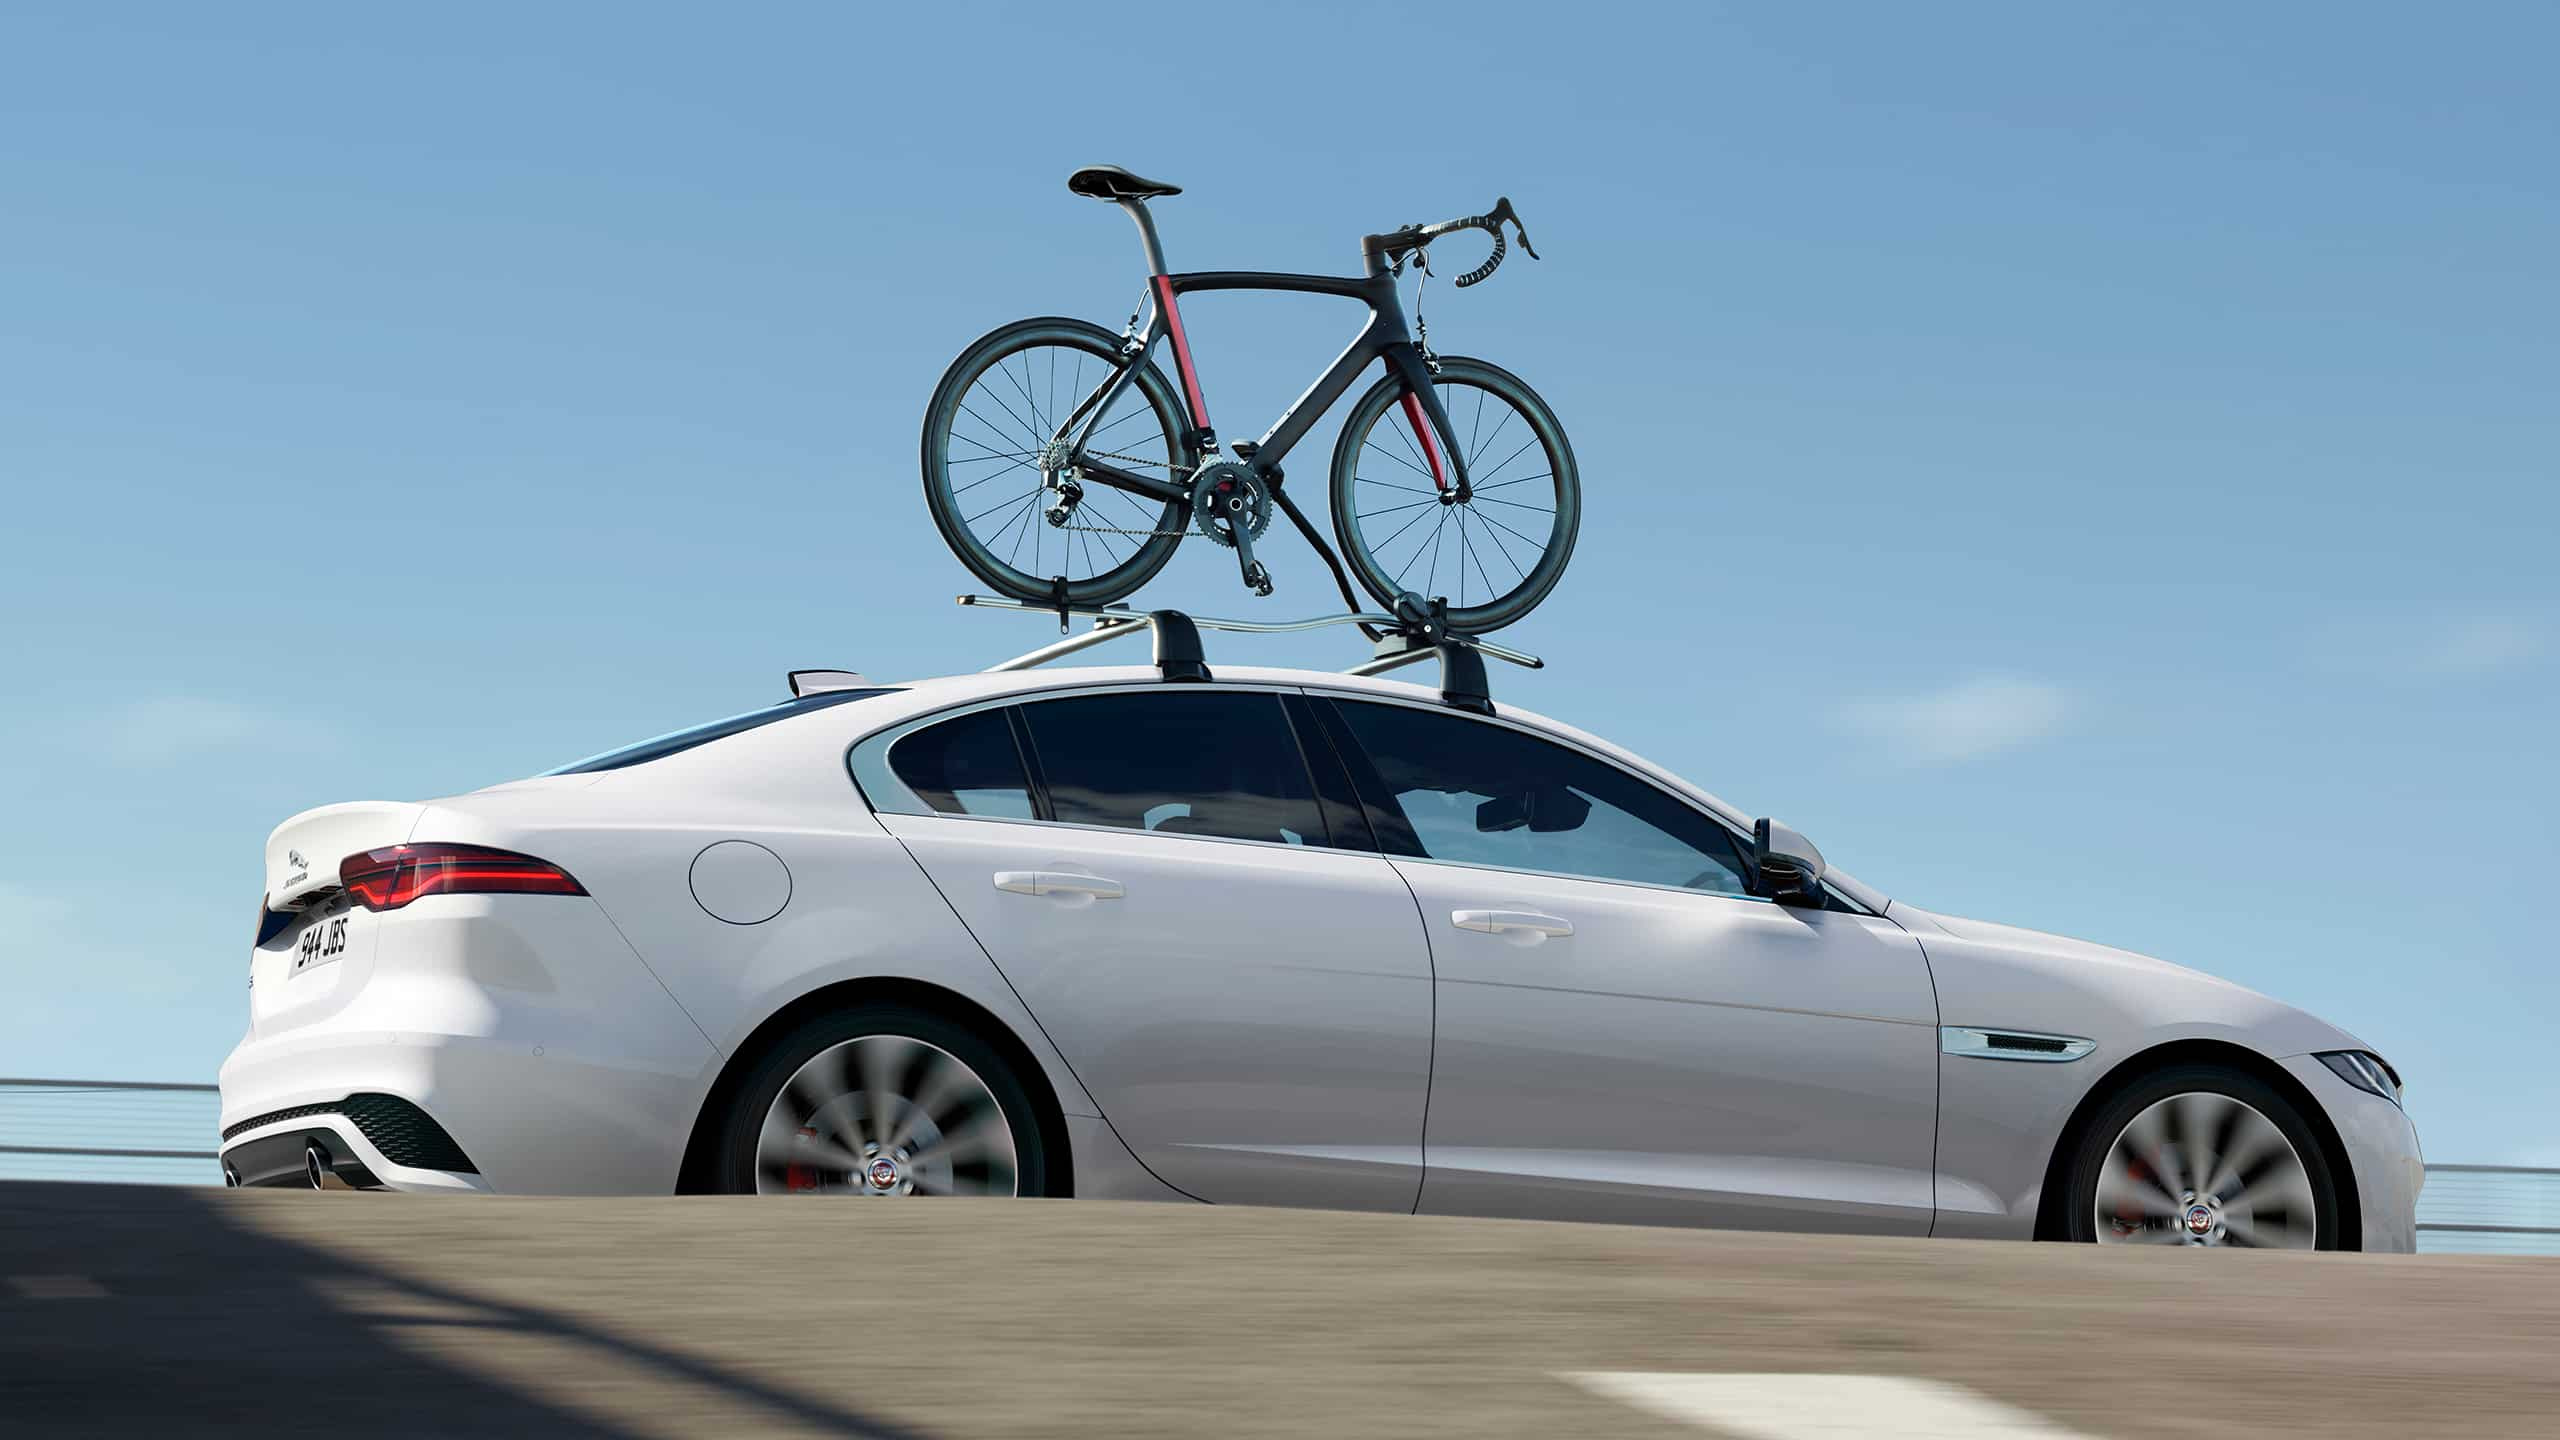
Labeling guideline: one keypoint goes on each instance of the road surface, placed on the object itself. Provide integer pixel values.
(129, 1311)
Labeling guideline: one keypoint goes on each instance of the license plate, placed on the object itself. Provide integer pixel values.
(324, 936)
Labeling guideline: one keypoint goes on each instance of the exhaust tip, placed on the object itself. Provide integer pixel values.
(230, 1178)
(315, 1165)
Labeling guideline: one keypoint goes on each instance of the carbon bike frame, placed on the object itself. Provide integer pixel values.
(1384, 337)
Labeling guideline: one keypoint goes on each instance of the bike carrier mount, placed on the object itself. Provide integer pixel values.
(1420, 632)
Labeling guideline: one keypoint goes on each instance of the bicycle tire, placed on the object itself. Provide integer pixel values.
(1162, 531)
(1565, 523)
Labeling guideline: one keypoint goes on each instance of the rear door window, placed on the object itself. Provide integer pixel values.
(1180, 760)
(964, 766)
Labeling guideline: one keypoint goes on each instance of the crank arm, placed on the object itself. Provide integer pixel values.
(1256, 578)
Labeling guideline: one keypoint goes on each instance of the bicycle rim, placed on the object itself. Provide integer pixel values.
(1496, 555)
(996, 408)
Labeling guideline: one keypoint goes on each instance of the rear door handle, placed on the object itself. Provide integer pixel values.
(1500, 922)
(1058, 882)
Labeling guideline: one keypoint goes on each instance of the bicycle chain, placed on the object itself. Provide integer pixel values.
(1184, 533)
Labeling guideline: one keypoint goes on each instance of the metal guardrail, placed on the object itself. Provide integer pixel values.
(133, 1131)
(162, 1133)
(2490, 1210)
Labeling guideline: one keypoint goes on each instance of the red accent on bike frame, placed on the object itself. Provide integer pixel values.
(1181, 351)
(1422, 432)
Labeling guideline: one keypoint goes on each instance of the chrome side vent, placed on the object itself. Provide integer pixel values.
(2030, 1045)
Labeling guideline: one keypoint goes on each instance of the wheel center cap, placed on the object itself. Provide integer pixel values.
(884, 1174)
(2199, 1219)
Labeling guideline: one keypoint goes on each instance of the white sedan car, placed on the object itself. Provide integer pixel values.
(1271, 937)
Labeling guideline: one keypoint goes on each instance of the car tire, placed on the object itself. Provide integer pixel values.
(890, 1101)
(2203, 1155)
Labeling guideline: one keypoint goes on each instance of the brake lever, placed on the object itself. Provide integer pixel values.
(1502, 211)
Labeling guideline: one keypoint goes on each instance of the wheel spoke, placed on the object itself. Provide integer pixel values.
(1378, 551)
(1490, 520)
(1495, 535)
(2146, 1140)
(980, 1136)
(2254, 1141)
(884, 1062)
(1507, 459)
(2120, 1191)
(1415, 465)
(992, 427)
(1391, 485)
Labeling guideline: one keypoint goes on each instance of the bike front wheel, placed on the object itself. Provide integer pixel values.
(1496, 554)
(994, 415)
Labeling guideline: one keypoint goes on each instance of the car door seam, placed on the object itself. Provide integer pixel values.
(1431, 1052)
(1937, 1072)
(1034, 1017)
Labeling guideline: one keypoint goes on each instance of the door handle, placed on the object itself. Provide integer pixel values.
(1515, 922)
(1058, 882)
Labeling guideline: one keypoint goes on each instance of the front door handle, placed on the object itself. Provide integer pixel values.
(1058, 882)
(1511, 922)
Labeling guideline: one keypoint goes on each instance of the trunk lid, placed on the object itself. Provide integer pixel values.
(304, 852)
(314, 949)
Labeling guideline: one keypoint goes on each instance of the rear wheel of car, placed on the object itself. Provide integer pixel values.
(882, 1102)
(2203, 1155)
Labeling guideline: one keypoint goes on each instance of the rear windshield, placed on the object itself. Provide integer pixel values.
(680, 741)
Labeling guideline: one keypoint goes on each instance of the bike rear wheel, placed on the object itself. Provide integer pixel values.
(984, 433)
(1494, 556)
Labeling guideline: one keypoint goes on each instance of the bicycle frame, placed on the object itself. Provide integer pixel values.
(1385, 337)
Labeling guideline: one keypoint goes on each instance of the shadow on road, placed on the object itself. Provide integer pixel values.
(131, 1310)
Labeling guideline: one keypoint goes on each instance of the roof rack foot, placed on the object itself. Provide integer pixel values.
(1178, 652)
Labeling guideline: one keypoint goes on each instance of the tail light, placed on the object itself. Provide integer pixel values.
(390, 878)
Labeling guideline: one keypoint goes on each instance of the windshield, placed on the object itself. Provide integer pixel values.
(678, 741)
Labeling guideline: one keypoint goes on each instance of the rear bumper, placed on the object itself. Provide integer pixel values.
(2382, 1150)
(351, 1143)
(520, 1029)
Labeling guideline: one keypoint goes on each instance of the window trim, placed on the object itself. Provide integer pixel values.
(1380, 823)
(877, 745)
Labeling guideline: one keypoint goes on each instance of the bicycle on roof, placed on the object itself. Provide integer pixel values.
(1063, 467)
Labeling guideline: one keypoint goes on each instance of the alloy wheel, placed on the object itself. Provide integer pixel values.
(2203, 1168)
(885, 1116)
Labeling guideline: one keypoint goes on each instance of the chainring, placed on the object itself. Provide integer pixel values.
(1225, 494)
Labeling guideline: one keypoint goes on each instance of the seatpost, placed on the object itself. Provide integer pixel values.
(1146, 234)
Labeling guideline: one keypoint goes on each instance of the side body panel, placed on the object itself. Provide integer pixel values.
(1678, 1058)
(1254, 1018)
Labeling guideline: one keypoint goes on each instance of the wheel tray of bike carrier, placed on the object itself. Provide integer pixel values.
(1178, 656)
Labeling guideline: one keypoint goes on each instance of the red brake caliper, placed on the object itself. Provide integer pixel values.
(801, 1175)
(1422, 432)
(2129, 1211)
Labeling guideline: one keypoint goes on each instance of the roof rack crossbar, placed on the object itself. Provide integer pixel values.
(1178, 654)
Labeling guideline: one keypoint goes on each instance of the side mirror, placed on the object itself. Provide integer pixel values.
(1789, 868)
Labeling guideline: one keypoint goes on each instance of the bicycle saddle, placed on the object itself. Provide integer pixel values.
(1110, 182)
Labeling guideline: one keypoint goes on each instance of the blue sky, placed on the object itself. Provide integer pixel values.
(2086, 466)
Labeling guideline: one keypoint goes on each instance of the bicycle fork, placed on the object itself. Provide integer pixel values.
(1422, 411)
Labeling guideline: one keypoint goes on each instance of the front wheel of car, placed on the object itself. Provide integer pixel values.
(2203, 1155)
(882, 1102)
